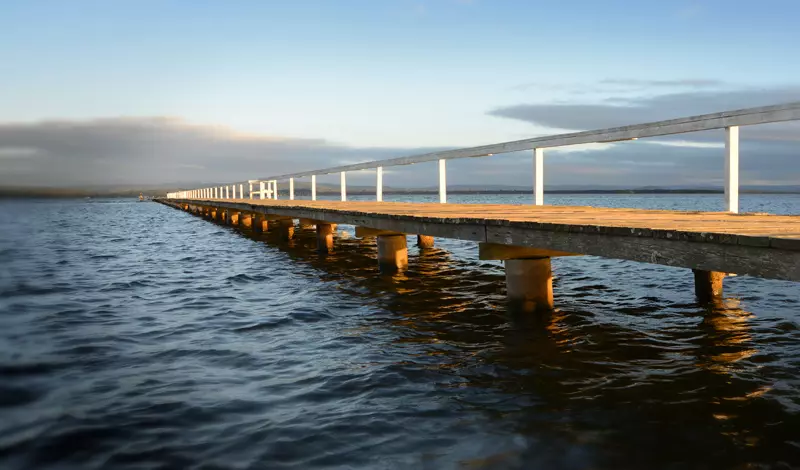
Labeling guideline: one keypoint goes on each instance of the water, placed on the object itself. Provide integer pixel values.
(133, 335)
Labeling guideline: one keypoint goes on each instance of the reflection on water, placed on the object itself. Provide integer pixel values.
(197, 344)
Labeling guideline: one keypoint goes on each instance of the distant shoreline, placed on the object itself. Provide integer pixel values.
(73, 194)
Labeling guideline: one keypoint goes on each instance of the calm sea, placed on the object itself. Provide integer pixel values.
(133, 335)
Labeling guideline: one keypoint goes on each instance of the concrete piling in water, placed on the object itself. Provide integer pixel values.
(260, 224)
(392, 252)
(246, 220)
(285, 229)
(529, 285)
(707, 285)
(529, 278)
(325, 237)
(424, 241)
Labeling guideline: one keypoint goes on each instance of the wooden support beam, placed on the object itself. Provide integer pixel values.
(367, 232)
(495, 251)
(277, 217)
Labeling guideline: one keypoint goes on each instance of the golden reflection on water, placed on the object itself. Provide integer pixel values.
(727, 331)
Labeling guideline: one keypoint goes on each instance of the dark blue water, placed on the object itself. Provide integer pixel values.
(133, 335)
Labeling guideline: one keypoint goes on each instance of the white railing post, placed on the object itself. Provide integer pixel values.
(251, 189)
(313, 187)
(227, 192)
(262, 189)
(234, 191)
(216, 190)
(732, 168)
(343, 186)
(538, 176)
(275, 188)
(442, 181)
(379, 184)
(291, 189)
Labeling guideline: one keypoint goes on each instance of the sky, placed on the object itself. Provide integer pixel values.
(185, 92)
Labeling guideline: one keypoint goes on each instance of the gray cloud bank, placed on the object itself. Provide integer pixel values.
(156, 150)
(625, 110)
(169, 151)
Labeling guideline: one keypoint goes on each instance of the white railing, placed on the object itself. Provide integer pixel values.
(729, 120)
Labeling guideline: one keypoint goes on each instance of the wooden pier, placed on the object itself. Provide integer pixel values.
(712, 244)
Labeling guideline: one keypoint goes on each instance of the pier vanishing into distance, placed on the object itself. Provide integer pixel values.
(526, 237)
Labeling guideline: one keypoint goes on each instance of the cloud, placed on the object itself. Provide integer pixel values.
(159, 150)
(612, 85)
(618, 110)
(688, 82)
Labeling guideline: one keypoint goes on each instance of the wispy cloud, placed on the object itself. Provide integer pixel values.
(616, 85)
(686, 82)
(621, 110)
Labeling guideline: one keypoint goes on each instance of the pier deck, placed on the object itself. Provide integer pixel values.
(754, 244)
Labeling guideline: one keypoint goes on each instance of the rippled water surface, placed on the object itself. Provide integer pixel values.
(133, 335)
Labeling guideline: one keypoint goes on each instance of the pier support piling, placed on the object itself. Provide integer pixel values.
(424, 241)
(392, 252)
(260, 224)
(325, 237)
(286, 229)
(246, 220)
(707, 285)
(529, 284)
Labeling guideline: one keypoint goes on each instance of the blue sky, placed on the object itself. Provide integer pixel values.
(371, 79)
